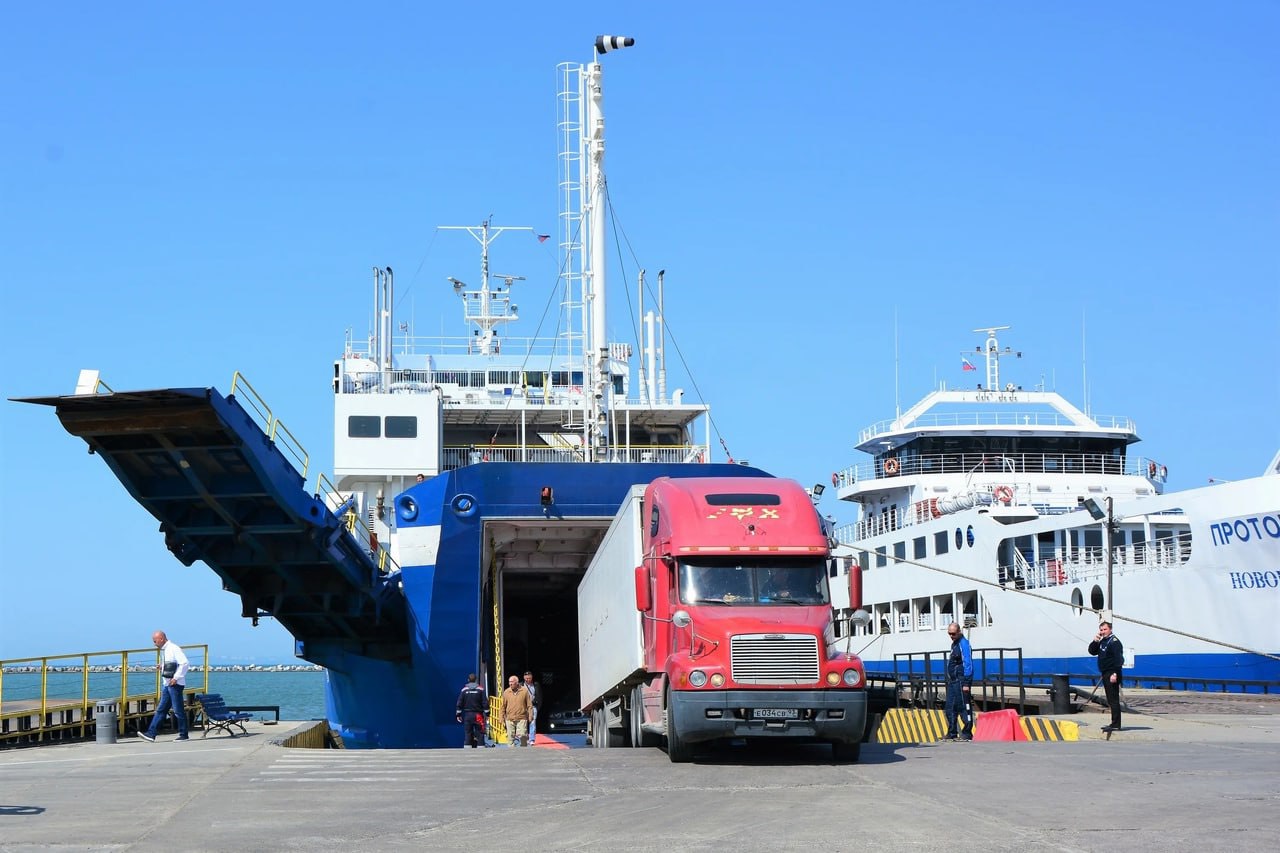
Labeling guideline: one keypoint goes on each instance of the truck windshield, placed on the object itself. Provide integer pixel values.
(733, 581)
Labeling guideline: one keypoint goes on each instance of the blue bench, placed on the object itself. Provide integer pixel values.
(218, 716)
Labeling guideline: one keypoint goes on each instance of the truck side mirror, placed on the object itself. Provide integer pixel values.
(855, 586)
(644, 601)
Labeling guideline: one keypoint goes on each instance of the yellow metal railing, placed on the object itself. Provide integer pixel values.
(497, 731)
(328, 492)
(68, 698)
(271, 425)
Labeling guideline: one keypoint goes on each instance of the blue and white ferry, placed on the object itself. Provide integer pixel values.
(474, 476)
(1026, 519)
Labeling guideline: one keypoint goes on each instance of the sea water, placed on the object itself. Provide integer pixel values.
(299, 693)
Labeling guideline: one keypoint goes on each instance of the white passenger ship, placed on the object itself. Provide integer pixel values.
(1027, 520)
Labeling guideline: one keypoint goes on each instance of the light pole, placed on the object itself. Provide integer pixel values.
(1106, 516)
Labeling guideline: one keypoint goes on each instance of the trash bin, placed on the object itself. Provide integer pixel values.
(1060, 693)
(104, 715)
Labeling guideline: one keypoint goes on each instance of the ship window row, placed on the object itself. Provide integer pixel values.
(373, 426)
(924, 613)
(942, 539)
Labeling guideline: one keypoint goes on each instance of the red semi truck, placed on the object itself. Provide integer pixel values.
(705, 614)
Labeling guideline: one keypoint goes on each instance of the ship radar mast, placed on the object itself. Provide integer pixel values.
(991, 352)
(487, 307)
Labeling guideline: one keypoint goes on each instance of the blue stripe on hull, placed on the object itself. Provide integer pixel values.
(403, 707)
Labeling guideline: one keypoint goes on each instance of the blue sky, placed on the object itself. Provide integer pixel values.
(186, 192)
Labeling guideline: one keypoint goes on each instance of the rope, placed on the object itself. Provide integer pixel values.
(1116, 616)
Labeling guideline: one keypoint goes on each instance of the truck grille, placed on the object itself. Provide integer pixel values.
(774, 659)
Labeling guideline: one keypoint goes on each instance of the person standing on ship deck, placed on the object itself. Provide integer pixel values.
(173, 678)
(959, 682)
(516, 710)
(1110, 652)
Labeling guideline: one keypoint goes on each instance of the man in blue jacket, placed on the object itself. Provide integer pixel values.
(959, 680)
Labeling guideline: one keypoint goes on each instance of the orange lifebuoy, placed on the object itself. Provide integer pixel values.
(891, 466)
(1004, 494)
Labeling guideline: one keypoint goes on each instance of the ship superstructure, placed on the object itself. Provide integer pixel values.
(1026, 519)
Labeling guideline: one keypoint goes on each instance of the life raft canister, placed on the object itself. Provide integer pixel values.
(891, 466)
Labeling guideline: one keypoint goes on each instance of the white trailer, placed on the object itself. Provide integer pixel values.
(610, 632)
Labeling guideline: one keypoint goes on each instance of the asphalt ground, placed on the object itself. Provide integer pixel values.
(1170, 781)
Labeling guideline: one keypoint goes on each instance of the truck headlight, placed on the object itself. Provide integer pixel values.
(852, 677)
(717, 680)
(833, 678)
(698, 678)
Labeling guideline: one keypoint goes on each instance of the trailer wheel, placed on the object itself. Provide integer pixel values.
(849, 752)
(677, 750)
(600, 738)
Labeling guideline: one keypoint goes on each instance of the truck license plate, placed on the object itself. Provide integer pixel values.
(776, 714)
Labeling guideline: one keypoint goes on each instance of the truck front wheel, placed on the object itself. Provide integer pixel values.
(846, 751)
(677, 750)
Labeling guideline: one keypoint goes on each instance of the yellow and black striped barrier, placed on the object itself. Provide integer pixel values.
(921, 725)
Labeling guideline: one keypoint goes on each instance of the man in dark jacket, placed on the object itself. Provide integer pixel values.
(959, 682)
(472, 703)
(1110, 652)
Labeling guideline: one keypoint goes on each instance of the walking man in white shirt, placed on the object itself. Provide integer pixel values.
(173, 680)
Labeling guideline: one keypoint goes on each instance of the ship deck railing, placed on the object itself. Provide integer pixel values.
(457, 457)
(1071, 566)
(987, 418)
(54, 697)
(919, 680)
(1006, 464)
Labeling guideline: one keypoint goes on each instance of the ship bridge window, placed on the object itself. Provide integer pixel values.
(534, 380)
(364, 426)
(504, 377)
(917, 548)
(402, 426)
(940, 543)
(881, 560)
(899, 551)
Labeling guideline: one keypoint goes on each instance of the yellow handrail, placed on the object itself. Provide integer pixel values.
(333, 498)
(87, 663)
(270, 424)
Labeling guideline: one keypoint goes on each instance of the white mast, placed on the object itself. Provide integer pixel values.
(592, 198)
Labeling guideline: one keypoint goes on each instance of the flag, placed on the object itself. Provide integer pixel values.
(965, 365)
(542, 238)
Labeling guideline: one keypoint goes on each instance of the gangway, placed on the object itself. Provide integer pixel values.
(226, 491)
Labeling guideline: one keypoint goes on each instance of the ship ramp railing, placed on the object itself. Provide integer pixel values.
(227, 482)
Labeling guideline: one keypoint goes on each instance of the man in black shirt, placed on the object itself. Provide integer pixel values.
(1110, 652)
(472, 704)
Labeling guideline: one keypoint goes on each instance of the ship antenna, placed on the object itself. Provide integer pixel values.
(992, 353)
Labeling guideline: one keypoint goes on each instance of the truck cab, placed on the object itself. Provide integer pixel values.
(737, 620)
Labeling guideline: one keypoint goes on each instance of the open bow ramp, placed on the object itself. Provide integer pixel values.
(224, 492)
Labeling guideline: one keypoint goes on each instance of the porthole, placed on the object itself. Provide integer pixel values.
(1096, 599)
(959, 538)
(1077, 600)
(969, 535)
